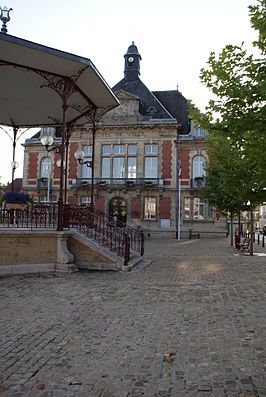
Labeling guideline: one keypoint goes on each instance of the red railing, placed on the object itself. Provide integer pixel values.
(42, 216)
(117, 238)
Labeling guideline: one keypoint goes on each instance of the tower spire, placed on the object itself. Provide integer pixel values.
(132, 63)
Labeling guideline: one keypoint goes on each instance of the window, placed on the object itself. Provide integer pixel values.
(198, 167)
(106, 150)
(86, 171)
(187, 208)
(46, 167)
(119, 149)
(48, 131)
(106, 167)
(151, 149)
(198, 131)
(87, 150)
(150, 208)
(132, 167)
(85, 200)
(198, 209)
(132, 149)
(151, 167)
(119, 161)
(43, 199)
(118, 167)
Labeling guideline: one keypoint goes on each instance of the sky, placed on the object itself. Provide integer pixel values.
(174, 38)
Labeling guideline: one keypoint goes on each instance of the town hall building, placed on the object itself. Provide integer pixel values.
(148, 162)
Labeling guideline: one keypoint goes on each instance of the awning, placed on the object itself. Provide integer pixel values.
(27, 70)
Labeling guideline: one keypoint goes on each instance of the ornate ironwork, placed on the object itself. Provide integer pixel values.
(62, 85)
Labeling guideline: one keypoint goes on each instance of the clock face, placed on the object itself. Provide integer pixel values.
(130, 59)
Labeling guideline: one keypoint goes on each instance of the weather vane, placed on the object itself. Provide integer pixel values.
(5, 18)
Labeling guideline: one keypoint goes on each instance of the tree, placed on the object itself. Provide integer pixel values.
(236, 118)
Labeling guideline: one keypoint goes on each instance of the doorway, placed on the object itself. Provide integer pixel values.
(118, 208)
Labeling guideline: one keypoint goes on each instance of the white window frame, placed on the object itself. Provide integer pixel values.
(131, 174)
(151, 149)
(198, 166)
(47, 171)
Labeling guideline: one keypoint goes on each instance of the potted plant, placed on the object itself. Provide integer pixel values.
(18, 200)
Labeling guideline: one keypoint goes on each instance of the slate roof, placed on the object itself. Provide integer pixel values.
(177, 105)
(150, 106)
(37, 135)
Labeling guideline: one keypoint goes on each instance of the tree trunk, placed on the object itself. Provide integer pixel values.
(251, 230)
(232, 231)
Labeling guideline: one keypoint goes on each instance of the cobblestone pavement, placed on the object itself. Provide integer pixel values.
(189, 324)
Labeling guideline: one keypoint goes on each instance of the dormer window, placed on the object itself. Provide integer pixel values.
(48, 131)
(151, 111)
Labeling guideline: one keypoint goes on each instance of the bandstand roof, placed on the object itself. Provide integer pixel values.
(28, 71)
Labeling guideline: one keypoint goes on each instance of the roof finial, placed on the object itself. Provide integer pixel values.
(133, 43)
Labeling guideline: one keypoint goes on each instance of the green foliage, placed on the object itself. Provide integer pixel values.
(236, 121)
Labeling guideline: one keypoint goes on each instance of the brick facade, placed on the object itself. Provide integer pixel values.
(167, 159)
(184, 158)
(33, 165)
(56, 169)
(73, 165)
(135, 208)
(165, 208)
(100, 204)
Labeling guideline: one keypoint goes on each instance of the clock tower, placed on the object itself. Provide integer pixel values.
(132, 63)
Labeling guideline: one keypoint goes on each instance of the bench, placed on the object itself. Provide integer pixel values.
(193, 234)
(245, 245)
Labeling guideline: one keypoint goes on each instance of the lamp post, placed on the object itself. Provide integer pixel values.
(47, 140)
(79, 155)
(5, 18)
(14, 166)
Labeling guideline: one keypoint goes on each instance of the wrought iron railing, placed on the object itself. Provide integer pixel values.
(120, 182)
(117, 237)
(41, 216)
(198, 182)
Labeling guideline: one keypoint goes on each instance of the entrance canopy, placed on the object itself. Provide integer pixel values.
(35, 79)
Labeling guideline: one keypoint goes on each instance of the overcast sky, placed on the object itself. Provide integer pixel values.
(174, 38)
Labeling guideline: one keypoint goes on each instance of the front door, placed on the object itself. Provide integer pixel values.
(118, 209)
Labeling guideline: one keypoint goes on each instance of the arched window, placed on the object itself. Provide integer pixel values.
(46, 167)
(198, 170)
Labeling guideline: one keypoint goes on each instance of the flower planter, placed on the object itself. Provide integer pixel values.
(15, 206)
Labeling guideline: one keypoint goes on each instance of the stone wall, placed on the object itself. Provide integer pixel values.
(18, 248)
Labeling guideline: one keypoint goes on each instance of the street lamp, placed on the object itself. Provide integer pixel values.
(79, 155)
(14, 166)
(47, 140)
(5, 18)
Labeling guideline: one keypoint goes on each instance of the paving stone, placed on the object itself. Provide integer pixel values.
(106, 333)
